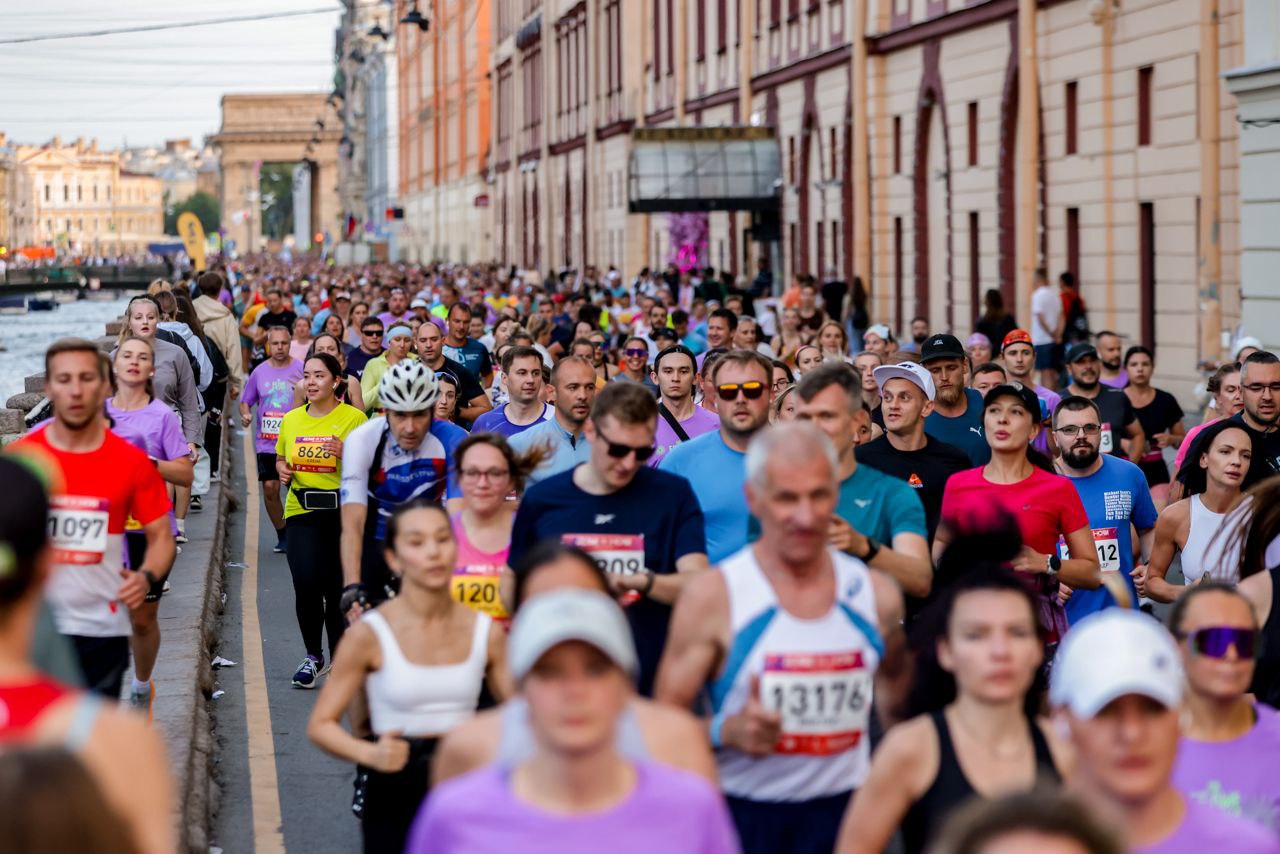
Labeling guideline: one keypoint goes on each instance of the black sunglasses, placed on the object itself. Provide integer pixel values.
(729, 391)
(619, 451)
(371, 332)
(1214, 642)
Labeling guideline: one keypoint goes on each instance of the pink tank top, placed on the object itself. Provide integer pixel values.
(477, 574)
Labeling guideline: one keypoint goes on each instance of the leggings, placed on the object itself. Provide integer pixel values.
(313, 552)
(391, 801)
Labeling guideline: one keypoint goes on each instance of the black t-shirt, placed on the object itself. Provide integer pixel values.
(1266, 453)
(1158, 416)
(469, 387)
(1117, 414)
(268, 319)
(657, 506)
(926, 470)
(833, 297)
(357, 359)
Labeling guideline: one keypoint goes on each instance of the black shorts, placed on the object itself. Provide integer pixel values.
(267, 467)
(103, 662)
(136, 543)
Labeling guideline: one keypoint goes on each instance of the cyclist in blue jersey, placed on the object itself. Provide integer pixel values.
(401, 455)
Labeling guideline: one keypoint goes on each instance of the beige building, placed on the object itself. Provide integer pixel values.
(77, 198)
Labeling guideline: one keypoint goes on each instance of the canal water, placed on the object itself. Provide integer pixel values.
(25, 336)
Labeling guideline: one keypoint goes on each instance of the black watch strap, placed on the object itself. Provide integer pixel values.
(873, 549)
(648, 583)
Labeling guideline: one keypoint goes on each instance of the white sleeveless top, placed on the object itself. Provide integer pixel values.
(1206, 551)
(817, 673)
(423, 700)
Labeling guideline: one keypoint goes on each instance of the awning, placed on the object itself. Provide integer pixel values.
(677, 169)
(165, 248)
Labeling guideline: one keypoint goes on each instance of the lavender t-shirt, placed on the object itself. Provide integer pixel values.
(701, 421)
(271, 388)
(670, 811)
(1235, 776)
(1205, 830)
(153, 429)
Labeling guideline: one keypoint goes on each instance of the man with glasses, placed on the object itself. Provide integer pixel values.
(1115, 496)
(1260, 385)
(642, 525)
(1119, 421)
(472, 400)
(522, 366)
(635, 364)
(574, 382)
(371, 332)
(715, 462)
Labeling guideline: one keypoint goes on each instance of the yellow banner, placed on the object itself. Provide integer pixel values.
(192, 234)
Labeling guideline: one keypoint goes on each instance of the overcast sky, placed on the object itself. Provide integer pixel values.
(144, 88)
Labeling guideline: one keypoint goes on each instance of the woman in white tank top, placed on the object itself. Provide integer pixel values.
(421, 660)
(1213, 473)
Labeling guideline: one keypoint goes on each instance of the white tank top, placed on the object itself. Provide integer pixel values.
(817, 673)
(423, 700)
(1206, 552)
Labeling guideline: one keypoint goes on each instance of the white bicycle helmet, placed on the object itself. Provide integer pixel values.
(408, 386)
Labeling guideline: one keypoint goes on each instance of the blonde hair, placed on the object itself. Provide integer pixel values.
(158, 285)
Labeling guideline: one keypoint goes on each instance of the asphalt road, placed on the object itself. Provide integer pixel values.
(313, 790)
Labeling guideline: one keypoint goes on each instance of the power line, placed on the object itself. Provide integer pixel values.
(177, 25)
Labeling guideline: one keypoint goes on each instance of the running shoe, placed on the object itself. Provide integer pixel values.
(142, 702)
(280, 545)
(308, 672)
(165, 589)
(197, 504)
(215, 477)
(180, 537)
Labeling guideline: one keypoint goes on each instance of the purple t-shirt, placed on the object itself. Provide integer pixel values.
(153, 429)
(1205, 829)
(701, 421)
(670, 811)
(1049, 401)
(1120, 380)
(1235, 776)
(495, 421)
(271, 389)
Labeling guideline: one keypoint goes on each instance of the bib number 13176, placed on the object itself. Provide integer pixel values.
(824, 700)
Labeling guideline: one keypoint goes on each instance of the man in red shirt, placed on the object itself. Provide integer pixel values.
(98, 481)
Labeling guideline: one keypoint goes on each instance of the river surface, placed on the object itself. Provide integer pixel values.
(25, 336)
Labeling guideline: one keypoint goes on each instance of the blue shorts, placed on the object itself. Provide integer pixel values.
(1047, 356)
(796, 827)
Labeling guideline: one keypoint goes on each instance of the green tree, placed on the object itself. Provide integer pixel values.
(276, 186)
(204, 205)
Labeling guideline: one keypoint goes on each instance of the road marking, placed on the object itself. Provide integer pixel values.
(264, 788)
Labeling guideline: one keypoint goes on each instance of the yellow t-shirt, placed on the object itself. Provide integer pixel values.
(301, 443)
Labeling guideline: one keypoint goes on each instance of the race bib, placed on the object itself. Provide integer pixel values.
(1107, 445)
(269, 425)
(310, 454)
(1106, 542)
(479, 587)
(824, 700)
(622, 554)
(78, 527)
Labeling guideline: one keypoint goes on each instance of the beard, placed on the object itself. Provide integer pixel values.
(1086, 385)
(1112, 366)
(920, 339)
(1080, 456)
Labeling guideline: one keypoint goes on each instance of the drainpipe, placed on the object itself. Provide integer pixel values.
(1028, 147)
(1211, 346)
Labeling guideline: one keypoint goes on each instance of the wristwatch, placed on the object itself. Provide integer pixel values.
(1053, 563)
(873, 549)
(650, 575)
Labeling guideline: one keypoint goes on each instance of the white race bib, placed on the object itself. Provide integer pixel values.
(621, 554)
(78, 527)
(1107, 445)
(269, 426)
(824, 700)
(1106, 542)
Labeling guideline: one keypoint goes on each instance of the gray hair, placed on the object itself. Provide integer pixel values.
(794, 441)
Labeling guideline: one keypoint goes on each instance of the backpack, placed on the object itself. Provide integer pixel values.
(1077, 325)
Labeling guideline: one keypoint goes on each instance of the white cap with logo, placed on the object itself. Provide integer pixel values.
(1113, 653)
(913, 373)
(569, 615)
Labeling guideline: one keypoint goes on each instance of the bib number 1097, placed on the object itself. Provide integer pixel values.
(78, 529)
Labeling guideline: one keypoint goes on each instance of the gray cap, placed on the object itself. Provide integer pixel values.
(552, 618)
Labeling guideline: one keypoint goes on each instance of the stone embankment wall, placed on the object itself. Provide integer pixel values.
(28, 406)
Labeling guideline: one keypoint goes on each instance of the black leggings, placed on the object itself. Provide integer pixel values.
(313, 541)
(391, 801)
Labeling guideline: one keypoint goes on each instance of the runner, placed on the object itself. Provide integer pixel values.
(577, 790)
(1047, 324)
(679, 418)
(986, 376)
(1160, 416)
(785, 344)
(878, 518)
(906, 451)
(1019, 359)
(420, 661)
(643, 524)
(472, 399)
(879, 339)
(563, 436)
(147, 424)
(174, 381)
(349, 389)
(309, 460)
(865, 364)
(776, 627)
(1260, 418)
(834, 342)
(270, 389)
(714, 464)
(978, 728)
(122, 753)
(464, 350)
(605, 370)
(1228, 738)
(371, 334)
(635, 363)
(1118, 687)
(1226, 399)
(978, 349)
(1212, 477)
(1118, 419)
(957, 410)
(398, 310)
(808, 357)
(784, 408)
(522, 370)
(1110, 348)
(399, 343)
(782, 378)
(1115, 497)
(99, 482)
(502, 735)
(1040, 820)
(393, 458)
(447, 400)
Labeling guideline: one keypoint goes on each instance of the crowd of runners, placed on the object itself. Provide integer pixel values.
(678, 562)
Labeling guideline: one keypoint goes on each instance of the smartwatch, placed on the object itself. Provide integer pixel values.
(648, 583)
(873, 549)
(1053, 564)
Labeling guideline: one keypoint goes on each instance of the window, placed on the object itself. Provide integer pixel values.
(973, 133)
(897, 266)
(700, 31)
(835, 172)
(975, 262)
(821, 263)
(722, 26)
(1069, 110)
(657, 40)
(791, 160)
(897, 145)
(1147, 271)
(1073, 244)
(79, 192)
(66, 193)
(1144, 105)
(47, 191)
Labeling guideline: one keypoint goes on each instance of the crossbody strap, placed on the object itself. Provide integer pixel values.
(670, 418)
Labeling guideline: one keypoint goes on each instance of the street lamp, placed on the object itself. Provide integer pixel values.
(413, 16)
(376, 31)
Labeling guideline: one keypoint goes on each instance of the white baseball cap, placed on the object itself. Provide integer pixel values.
(1113, 653)
(880, 330)
(917, 375)
(552, 618)
(1247, 341)
(419, 303)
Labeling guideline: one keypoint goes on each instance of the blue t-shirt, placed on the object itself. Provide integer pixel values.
(963, 431)
(1113, 496)
(495, 421)
(717, 474)
(880, 506)
(657, 506)
(472, 355)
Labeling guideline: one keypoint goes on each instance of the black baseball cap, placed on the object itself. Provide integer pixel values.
(664, 332)
(941, 347)
(1079, 351)
(1014, 389)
